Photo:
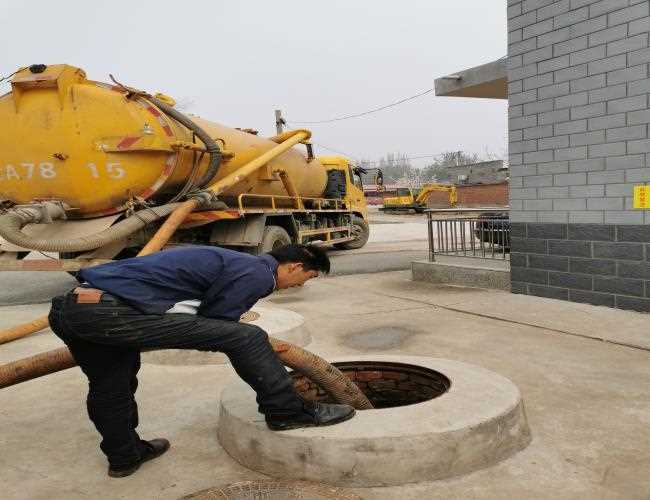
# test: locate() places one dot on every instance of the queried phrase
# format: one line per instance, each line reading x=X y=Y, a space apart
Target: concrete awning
x=488 y=81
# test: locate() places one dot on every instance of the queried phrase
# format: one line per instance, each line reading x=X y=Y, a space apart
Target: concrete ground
x=395 y=241
x=583 y=372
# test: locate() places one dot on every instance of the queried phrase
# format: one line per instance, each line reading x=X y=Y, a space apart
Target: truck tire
x=273 y=237
x=360 y=230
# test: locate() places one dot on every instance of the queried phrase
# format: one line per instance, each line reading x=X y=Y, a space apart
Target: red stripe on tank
x=127 y=142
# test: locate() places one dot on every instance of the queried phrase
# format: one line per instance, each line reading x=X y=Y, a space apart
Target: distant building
x=485 y=172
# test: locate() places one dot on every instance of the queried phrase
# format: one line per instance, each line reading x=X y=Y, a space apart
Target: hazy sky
x=238 y=61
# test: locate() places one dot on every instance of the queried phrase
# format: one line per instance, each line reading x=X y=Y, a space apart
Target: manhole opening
x=385 y=384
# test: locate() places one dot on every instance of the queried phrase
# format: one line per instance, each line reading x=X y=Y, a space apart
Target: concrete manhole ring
x=279 y=323
x=273 y=489
x=473 y=422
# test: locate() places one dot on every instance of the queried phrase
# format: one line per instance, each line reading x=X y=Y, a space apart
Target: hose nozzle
x=41 y=213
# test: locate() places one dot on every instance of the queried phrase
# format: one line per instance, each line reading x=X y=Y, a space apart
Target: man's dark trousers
x=106 y=339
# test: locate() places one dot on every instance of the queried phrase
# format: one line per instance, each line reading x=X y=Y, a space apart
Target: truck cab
x=339 y=218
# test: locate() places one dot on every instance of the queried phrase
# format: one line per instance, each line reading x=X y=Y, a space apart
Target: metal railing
x=465 y=232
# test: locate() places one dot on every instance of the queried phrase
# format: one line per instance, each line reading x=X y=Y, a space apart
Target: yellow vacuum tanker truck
x=90 y=170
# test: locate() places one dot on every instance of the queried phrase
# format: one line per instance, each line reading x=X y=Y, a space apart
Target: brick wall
x=479 y=195
x=600 y=264
x=578 y=93
x=483 y=195
x=578 y=83
x=438 y=199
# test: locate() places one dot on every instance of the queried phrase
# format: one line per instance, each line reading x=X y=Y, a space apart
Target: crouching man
x=127 y=306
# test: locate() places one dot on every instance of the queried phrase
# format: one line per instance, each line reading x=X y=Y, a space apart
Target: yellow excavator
x=406 y=199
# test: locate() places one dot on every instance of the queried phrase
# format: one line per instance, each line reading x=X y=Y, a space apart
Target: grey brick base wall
x=599 y=264
x=579 y=140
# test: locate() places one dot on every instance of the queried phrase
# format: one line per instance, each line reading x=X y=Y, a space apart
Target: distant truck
x=494 y=228
x=407 y=199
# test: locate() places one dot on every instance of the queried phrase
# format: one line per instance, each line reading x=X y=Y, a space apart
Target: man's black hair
x=312 y=258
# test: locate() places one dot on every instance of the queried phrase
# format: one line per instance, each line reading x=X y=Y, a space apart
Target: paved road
x=375 y=262
x=378 y=259
x=33 y=287
x=392 y=247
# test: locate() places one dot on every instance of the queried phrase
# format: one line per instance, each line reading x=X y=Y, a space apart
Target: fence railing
x=478 y=233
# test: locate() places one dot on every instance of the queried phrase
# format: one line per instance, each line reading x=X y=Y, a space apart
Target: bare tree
x=437 y=170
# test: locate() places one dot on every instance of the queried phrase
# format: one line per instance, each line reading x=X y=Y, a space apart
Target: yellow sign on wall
x=641 y=197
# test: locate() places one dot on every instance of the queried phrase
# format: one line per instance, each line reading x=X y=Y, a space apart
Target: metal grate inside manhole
x=249 y=317
x=385 y=384
x=269 y=489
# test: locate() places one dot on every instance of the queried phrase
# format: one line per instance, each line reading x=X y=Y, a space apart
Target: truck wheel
x=361 y=233
x=273 y=237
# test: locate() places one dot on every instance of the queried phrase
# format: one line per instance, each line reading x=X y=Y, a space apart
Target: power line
x=354 y=157
x=359 y=160
x=2 y=79
x=333 y=150
x=366 y=162
x=386 y=161
x=337 y=151
x=370 y=111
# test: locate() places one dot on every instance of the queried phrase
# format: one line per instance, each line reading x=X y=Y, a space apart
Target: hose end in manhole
x=385 y=384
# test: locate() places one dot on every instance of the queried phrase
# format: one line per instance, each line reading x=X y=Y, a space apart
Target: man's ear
x=295 y=266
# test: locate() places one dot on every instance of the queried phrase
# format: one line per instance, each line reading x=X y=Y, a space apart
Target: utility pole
x=279 y=121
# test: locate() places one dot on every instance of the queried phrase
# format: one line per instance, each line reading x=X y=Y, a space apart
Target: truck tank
x=98 y=149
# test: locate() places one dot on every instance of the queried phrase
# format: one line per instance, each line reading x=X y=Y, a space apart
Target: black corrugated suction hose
x=211 y=147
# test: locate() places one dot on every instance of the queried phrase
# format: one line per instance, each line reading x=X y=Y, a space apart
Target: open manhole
x=269 y=489
x=437 y=418
x=385 y=384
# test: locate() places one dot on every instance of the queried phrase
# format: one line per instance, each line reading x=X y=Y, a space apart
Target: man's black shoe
x=313 y=415
x=154 y=449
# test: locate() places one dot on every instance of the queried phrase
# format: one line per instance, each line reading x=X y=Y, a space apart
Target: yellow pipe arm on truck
x=240 y=174
x=177 y=217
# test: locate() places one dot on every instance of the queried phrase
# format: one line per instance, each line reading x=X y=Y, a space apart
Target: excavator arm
x=429 y=188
